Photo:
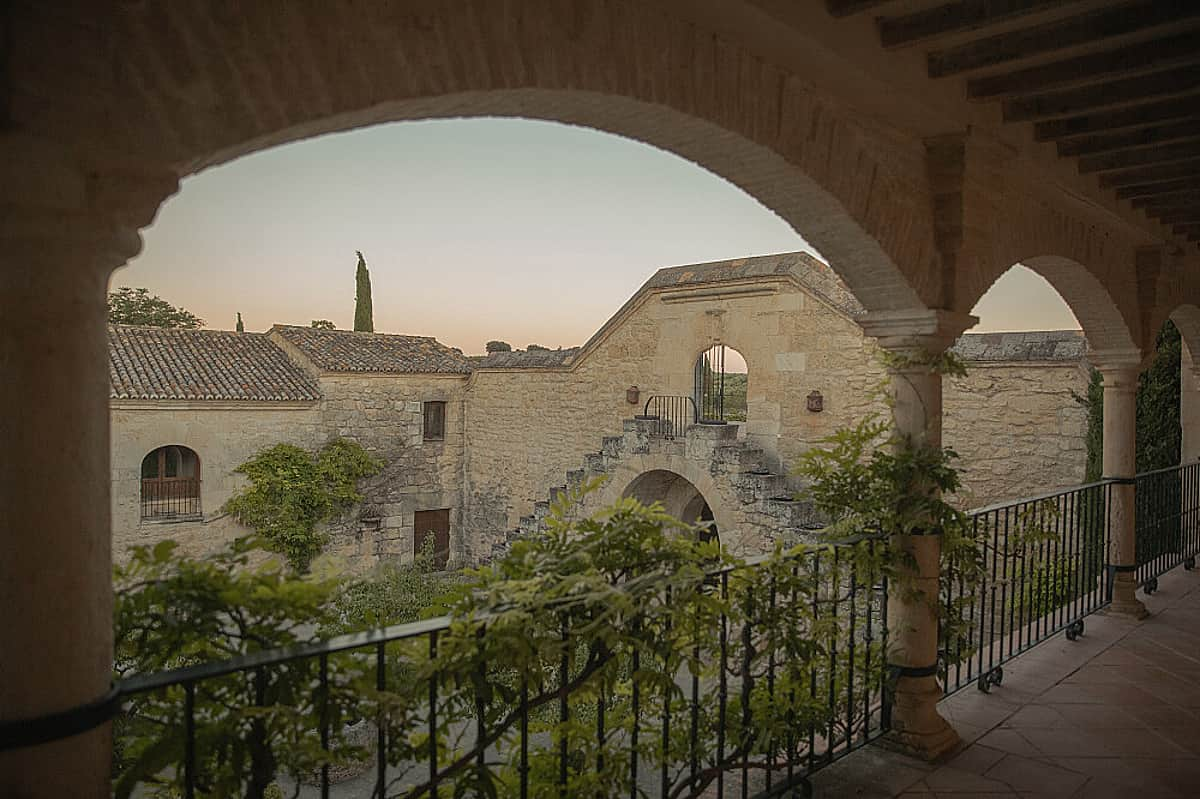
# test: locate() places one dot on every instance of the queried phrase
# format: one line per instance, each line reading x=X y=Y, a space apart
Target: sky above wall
x=529 y=232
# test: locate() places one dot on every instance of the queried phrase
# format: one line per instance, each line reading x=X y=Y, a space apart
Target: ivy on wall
x=291 y=493
x=1158 y=431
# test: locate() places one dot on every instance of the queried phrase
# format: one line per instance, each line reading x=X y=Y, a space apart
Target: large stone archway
x=678 y=496
x=198 y=87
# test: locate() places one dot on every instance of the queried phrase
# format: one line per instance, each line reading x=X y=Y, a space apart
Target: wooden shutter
x=435 y=421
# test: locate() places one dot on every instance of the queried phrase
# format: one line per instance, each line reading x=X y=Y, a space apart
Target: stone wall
x=383 y=413
x=223 y=434
x=1017 y=428
x=525 y=428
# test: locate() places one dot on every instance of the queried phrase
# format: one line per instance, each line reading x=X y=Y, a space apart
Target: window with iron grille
x=170 y=483
x=435 y=421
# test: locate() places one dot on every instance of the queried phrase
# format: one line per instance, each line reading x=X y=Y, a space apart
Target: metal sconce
x=816 y=403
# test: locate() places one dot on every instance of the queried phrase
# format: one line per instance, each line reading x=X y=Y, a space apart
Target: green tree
x=291 y=493
x=240 y=327
x=322 y=324
x=364 y=315
x=498 y=346
x=130 y=306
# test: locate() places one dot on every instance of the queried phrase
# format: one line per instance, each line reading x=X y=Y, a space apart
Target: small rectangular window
x=435 y=421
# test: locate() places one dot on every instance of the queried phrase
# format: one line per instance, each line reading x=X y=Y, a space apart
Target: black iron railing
x=1168 y=521
x=170 y=497
x=1045 y=564
x=787 y=677
x=671 y=415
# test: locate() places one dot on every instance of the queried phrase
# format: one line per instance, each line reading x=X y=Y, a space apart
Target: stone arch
x=720 y=502
x=1089 y=268
x=170 y=483
x=1103 y=322
x=201 y=87
x=1187 y=320
x=709 y=367
x=678 y=496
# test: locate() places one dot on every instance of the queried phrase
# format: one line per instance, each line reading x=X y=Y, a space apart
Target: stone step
x=529 y=525
x=741 y=456
x=713 y=432
x=556 y=493
x=765 y=485
x=575 y=479
x=796 y=513
x=541 y=509
x=594 y=462
x=611 y=446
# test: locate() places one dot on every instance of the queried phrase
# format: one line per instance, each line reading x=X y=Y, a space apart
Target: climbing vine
x=291 y=493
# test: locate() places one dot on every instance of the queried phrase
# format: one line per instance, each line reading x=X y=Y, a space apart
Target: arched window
x=721 y=379
x=171 y=483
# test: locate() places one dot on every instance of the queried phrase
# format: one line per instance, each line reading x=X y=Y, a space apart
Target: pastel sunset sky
x=530 y=232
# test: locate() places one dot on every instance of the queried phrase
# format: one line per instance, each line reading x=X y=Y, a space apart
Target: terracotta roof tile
x=166 y=363
x=524 y=359
x=347 y=351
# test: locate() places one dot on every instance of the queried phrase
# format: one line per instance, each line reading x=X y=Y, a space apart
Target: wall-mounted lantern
x=816 y=403
x=633 y=395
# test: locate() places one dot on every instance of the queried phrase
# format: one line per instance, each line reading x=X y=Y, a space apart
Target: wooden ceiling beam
x=1110 y=142
x=1169 y=200
x=1095 y=26
x=967 y=15
x=1149 y=190
x=1159 y=173
x=1179 y=217
x=846 y=8
x=1137 y=116
x=1156 y=54
x=1143 y=156
x=1192 y=231
x=1069 y=102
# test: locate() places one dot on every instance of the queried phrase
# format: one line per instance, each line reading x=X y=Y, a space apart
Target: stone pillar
x=913 y=336
x=55 y=559
x=1120 y=369
x=1189 y=407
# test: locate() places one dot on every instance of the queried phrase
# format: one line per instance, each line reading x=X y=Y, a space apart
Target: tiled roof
x=525 y=359
x=347 y=351
x=1041 y=345
x=813 y=274
x=165 y=363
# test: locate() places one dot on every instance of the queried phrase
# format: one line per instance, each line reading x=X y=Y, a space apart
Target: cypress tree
x=364 y=317
x=240 y=327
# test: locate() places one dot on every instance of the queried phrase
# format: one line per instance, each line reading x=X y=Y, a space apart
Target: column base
x=918 y=730
x=1125 y=601
x=1130 y=607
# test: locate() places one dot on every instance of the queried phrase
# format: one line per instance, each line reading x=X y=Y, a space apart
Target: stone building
x=476 y=448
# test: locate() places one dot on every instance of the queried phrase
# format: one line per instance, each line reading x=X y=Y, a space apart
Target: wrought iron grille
x=739 y=715
x=170 y=497
x=1168 y=521
x=672 y=415
x=1045 y=564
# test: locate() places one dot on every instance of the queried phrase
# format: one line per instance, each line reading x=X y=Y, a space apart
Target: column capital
x=931 y=330
x=1120 y=367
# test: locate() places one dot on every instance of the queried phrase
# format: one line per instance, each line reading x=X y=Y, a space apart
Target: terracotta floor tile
x=1026 y=774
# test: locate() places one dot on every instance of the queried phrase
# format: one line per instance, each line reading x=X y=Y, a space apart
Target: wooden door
x=434 y=523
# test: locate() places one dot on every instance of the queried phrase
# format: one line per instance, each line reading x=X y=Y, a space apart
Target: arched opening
x=678 y=496
x=1027 y=372
x=720 y=385
x=170 y=484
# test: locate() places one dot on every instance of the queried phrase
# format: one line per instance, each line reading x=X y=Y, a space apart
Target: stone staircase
x=759 y=498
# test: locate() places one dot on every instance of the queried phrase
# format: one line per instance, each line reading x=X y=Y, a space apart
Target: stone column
x=1189 y=407
x=913 y=336
x=1120 y=369
x=55 y=560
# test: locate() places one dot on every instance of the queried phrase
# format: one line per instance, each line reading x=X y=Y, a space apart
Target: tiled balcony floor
x=1114 y=714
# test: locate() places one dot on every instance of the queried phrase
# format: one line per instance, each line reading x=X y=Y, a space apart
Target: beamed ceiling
x=1115 y=86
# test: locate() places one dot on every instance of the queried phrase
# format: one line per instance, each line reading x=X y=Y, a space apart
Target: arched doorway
x=720 y=381
x=170 y=484
x=678 y=496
